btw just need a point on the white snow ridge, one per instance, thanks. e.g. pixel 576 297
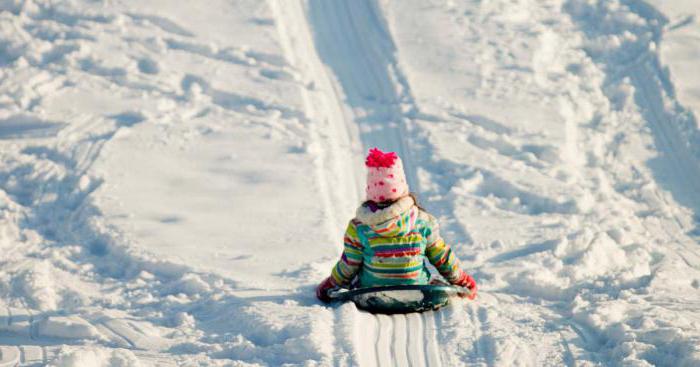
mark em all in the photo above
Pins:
pixel 175 178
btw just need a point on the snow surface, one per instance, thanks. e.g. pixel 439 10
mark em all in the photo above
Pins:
pixel 175 178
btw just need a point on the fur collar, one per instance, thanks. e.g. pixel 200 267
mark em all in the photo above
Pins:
pixel 366 216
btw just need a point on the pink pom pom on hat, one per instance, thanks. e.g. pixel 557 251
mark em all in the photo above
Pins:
pixel 386 180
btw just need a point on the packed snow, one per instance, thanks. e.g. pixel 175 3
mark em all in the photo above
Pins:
pixel 175 178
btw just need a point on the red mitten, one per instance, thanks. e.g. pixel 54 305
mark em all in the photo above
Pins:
pixel 322 289
pixel 466 281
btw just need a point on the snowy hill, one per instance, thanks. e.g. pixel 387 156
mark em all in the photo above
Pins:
pixel 175 178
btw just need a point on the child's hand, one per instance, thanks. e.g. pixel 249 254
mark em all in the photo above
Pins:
pixel 323 288
pixel 465 280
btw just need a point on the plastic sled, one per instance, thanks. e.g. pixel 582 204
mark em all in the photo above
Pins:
pixel 399 298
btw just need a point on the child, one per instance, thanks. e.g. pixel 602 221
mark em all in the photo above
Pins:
pixel 386 242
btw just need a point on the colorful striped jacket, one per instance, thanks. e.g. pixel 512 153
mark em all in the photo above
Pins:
pixel 389 246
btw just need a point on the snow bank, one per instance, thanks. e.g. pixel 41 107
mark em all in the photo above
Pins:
pixel 67 327
pixel 678 52
pixel 96 357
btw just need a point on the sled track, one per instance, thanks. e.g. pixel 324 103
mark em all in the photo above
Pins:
pixel 353 42
pixel 356 92
pixel 396 340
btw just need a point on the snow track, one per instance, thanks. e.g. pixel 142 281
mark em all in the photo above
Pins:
pixel 354 44
pixel 347 53
pixel 396 340
pixel 677 167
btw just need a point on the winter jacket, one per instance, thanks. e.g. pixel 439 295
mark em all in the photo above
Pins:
pixel 389 246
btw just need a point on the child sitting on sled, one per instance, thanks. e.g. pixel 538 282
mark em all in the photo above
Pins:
pixel 391 235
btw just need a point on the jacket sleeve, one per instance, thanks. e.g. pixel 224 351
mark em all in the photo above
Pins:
pixel 349 264
pixel 440 254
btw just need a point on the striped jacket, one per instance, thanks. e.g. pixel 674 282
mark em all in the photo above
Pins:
pixel 389 246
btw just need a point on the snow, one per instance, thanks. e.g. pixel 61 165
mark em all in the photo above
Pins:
pixel 96 357
pixel 67 327
pixel 175 178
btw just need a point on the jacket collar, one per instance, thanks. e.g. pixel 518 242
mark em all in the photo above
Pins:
pixel 366 216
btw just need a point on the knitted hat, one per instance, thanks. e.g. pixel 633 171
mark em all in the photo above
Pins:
pixel 386 180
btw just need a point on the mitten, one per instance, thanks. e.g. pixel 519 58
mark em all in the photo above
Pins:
pixel 323 288
pixel 466 281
